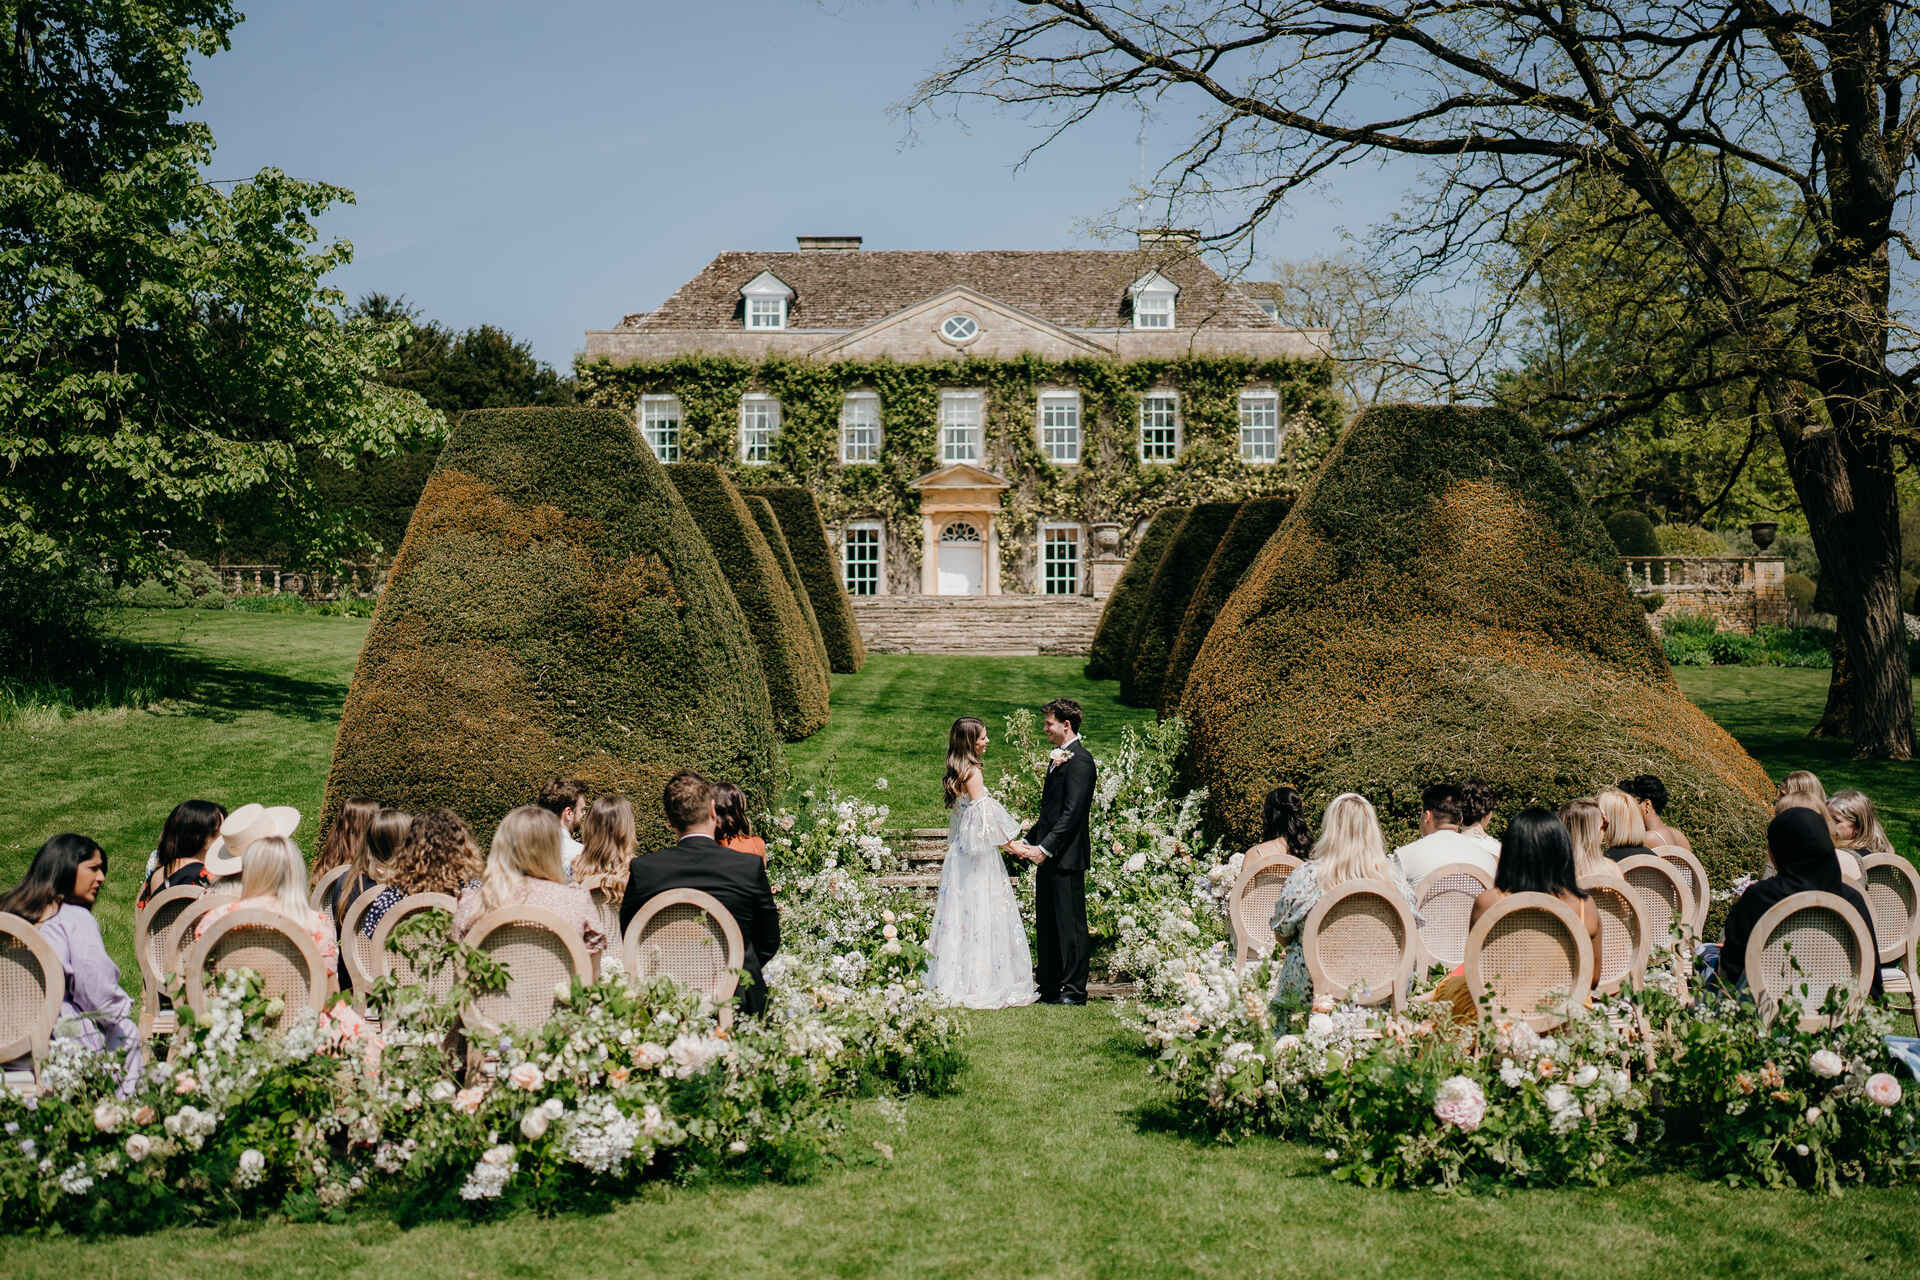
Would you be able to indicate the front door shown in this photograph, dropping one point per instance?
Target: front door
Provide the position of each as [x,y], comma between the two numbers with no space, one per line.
[962,561]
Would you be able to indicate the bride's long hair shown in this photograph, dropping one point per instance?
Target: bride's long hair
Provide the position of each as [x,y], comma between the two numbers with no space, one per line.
[963,755]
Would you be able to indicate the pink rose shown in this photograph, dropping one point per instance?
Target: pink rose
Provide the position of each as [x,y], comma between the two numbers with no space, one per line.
[1460,1103]
[1883,1089]
[468,1100]
[526,1076]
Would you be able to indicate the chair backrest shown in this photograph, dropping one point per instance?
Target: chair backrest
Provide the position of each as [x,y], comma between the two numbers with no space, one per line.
[32,983]
[1693,874]
[155,947]
[1665,903]
[282,952]
[688,936]
[1360,943]
[1529,958]
[318,894]
[1445,903]
[388,963]
[356,948]
[225,888]
[1893,900]
[607,892]
[1262,878]
[1626,942]
[540,949]
[170,952]
[1805,946]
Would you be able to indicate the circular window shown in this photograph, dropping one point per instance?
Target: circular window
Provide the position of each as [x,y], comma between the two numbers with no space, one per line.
[959,533]
[960,328]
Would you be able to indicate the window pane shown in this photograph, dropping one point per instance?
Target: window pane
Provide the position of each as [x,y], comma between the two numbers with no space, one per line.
[660,426]
[1260,428]
[759,424]
[860,560]
[1060,560]
[1060,427]
[860,429]
[1159,428]
[766,313]
[1153,311]
[960,428]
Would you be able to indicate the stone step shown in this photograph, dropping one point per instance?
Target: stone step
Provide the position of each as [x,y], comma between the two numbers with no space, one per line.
[978,625]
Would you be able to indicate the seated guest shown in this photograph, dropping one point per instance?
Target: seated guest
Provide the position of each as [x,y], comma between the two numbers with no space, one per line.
[1800,849]
[1626,829]
[566,799]
[181,856]
[1651,795]
[1351,847]
[244,826]
[57,896]
[523,868]
[373,857]
[438,856]
[1442,814]
[275,878]
[1804,782]
[607,845]
[1587,828]
[1537,857]
[698,861]
[1850,869]
[347,838]
[1283,825]
[1477,801]
[731,827]
[1856,825]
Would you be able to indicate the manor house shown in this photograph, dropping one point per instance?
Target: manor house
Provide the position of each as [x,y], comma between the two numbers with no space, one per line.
[1003,416]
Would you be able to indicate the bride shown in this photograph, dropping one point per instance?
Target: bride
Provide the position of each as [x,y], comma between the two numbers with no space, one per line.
[977,949]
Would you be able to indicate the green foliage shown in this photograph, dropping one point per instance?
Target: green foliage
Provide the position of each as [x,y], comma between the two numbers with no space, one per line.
[1112,644]
[799,516]
[1800,589]
[553,610]
[1252,525]
[769,525]
[1439,605]
[1689,540]
[1633,534]
[1165,607]
[1695,640]
[796,677]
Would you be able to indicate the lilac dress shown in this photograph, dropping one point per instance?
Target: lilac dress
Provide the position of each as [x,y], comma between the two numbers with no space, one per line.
[95,1010]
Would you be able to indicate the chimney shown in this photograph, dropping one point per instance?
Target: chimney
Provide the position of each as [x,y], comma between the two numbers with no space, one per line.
[828,244]
[1168,239]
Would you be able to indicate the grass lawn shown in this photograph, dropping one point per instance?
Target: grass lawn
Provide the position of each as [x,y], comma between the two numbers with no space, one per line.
[1048,1160]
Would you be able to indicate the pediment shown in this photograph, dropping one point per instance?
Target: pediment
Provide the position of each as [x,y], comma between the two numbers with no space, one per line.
[959,475]
[766,285]
[1001,328]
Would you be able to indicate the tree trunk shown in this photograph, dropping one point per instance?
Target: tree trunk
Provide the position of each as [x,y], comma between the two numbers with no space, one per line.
[1837,720]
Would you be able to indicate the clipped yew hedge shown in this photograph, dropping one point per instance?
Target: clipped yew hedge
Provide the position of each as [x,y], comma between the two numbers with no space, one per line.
[1252,525]
[1165,605]
[1113,637]
[796,681]
[1440,604]
[769,525]
[806,532]
[553,609]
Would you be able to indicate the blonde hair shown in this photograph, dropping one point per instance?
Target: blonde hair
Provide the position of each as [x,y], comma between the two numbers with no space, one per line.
[1351,845]
[526,846]
[607,841]
[1868,834]
[1586,823]
[273,867]
[1625,823]
[1804,782]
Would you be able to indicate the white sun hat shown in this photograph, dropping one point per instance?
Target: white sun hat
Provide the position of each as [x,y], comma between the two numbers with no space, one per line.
[248,823]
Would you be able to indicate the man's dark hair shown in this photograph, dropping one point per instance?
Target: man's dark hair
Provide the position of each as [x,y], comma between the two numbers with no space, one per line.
[1649,788]
[1477,800]
[1066,711]
[1443,801]
[562,794]
[688,800]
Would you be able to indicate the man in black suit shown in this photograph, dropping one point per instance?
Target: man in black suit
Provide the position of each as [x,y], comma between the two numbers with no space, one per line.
[738,880]
[1062,850]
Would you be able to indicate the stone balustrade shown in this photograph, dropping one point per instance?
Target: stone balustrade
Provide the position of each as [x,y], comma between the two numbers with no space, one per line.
[272,580]
[1742,593]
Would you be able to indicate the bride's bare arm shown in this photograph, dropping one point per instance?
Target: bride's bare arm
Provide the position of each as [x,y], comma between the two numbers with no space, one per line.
[974,785]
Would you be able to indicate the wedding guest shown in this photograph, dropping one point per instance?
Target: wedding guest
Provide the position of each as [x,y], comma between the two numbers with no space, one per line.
[1537,857]
[373,857]
[1351,847]
[1850,869]
[243,827]
[1804,782]
[731,827]
[1856,824]
[523,868]
[1283,825]
[57,895]
[1626,829]
[1477,801]
[438,856]
[1800,849]
[181,856]
[698,861]
[1443,811]
[607,846]
[1650,795]
[1587,828]
[347,837]
[566,799]
[275,878]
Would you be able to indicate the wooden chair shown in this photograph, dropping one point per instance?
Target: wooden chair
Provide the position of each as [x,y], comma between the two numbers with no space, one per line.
[1445,903]
[388,963]
[1893,900]
[688,936]
[156,951]
[356,948]
[1693,874]
[1529,958]
[318,894]
[1360,944]
[1263,877]
[1806,946]
[32,983]
[1665,901]
[261,939]
[1626,942]
[223,888]
[540,949]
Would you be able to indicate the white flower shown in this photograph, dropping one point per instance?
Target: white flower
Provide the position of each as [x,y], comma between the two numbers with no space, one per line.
[1320,1024]
[879,784]
[252,1167]
[1826,1063]
[1800,1148]
[889,932]
[138,1145]
[1135,865]
[1883,1089]
[441,1090]
[108,1116]
[496,1156]
[739,1146]
[1461,1103]
[533,1125]
[490,1177]
[1586,1076]
[563,990]
[1511,1073]
[1813,1115]
[887,917]
[554,1108]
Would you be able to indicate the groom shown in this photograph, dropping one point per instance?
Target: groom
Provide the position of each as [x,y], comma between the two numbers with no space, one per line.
[1058,845]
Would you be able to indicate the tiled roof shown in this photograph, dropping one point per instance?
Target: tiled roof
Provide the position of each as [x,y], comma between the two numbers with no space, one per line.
[1072,288]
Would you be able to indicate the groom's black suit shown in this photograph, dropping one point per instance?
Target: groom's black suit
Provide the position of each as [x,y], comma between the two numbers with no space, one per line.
[1060,884]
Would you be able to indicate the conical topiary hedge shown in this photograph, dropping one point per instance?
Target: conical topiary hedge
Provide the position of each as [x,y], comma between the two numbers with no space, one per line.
[1113,637]
[552,610]
[1440,605]
[769,525]
[1166,601]
[1252,525]
[806,534]
[796,680]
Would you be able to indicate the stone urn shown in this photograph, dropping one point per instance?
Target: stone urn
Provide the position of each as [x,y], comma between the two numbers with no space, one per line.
[1763,532]
[1106,539]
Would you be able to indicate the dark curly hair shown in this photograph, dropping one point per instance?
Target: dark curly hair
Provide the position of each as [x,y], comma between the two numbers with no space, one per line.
[1284,817]
[1478,799]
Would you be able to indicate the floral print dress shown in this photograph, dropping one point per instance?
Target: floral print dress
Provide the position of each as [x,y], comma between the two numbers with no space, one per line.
[1302,893]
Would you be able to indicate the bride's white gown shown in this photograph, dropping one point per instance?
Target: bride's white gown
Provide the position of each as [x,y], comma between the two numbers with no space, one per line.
[978,945]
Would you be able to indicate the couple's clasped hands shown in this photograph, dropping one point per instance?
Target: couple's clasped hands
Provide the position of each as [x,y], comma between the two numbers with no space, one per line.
[1030,852]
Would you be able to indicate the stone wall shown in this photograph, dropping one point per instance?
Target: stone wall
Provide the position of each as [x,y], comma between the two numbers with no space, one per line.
[1741,593]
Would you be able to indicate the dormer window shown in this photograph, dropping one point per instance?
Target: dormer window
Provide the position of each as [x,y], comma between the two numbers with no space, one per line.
[766,298]
[1153,299]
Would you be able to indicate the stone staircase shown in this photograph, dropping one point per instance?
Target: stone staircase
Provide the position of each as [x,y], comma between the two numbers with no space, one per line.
[986,626]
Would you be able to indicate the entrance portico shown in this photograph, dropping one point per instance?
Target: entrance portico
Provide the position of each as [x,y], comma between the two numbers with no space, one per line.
[960,544]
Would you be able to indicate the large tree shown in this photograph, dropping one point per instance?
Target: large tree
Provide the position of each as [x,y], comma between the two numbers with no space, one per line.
[1506,100]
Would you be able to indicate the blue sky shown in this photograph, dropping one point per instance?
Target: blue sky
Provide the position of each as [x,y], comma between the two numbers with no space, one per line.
[549,167]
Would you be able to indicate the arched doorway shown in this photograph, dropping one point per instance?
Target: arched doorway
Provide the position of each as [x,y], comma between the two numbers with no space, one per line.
[962,560]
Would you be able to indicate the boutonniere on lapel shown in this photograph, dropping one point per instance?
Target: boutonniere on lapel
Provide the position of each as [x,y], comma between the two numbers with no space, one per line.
[1057,757]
